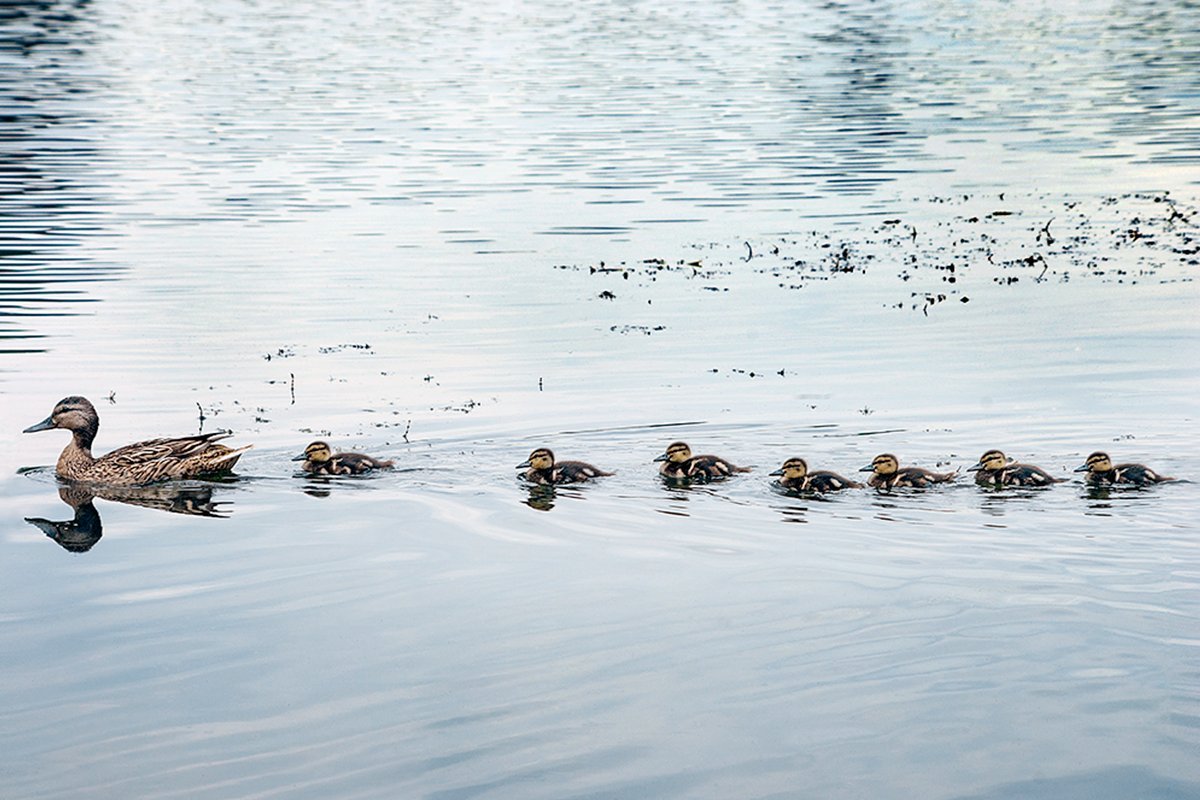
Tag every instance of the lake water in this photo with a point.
(451, 233)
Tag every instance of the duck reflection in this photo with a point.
(541, 497)
(80, 533)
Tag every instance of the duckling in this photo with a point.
(319, 460)
(1101, 472)
(995, 469)
(794, 475)
(541, 467)
(679, 463)
(134, 464)
(888, 474)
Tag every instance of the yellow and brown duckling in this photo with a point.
(995, 469)
(320, 460)
(541, 467)
(680, 464)
(134, 464)
(888, 474)
(1102, 472)
(794, 475)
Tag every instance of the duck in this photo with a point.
(320, 460)
(794, 475)
(1101, 472)
(995, 469)
(680, 464)
(541, 467)
(151, 461)
(888, 474)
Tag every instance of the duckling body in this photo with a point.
(678, 463)
(1102, 472)
(995, 470)
(888, 474)
(794, 475)
(135, 464)
(320, 460)
(541, 467)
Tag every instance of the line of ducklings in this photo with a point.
(203, 455)
(993, 469)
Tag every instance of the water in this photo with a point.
(393, 226)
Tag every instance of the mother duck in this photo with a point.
(134, 464)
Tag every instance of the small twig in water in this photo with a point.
(1045, 231)
(749, 251)
(202, 417)
(407, 428)
(293, 387)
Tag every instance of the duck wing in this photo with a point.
(174, 449)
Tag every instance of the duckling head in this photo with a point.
(676, 453)
(884, 464)
(317, 452)
(75, 414)
(539, 459)
(991, 460)
(794, 469)
(1096, 462)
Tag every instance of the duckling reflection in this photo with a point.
(679, 464)
(80, 533)
(888, 474)
(1102, 472)
(541, 497)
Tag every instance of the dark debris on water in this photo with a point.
(1000, 242)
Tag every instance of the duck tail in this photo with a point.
(230, 458)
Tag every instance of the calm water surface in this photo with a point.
(449, 234)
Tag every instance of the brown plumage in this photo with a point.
(888, 474)
(794, 475)
(134, 464)
(320, 460)
(678, 463)
(994, 469)
(1102, 472)
(541, 467)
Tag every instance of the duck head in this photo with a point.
(1096, 462)
(539, 459)
(991, 460)
(676, 453)
(75, 414)
(884, 464)
(317, 452)
(794, 469)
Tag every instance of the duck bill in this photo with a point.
(300, 457)
(868, 468)
(777, 472)
(1083, 468)
(44, 425)
(663, 457)
(975, 468)
(523, 465)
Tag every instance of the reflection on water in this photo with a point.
(49, 199)
(85, 528)
(541, 496)
(79, 533)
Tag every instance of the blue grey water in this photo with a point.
(449, 233)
